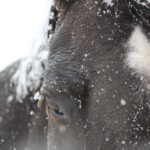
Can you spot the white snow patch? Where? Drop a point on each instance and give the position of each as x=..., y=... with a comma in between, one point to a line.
x=106, y=139
x=108, y=2
x=32, y=113
x=2, y=140
x=37, y=96
x=122, y=102
x=144, y=3
x=123, y=142
x=138, y=55
x=10, y=98
x=29, y=74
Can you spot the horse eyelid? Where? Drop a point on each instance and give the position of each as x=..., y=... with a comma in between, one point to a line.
x=56, y=110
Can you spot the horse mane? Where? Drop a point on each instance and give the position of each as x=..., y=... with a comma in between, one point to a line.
x=63, y=5
x=139, y=10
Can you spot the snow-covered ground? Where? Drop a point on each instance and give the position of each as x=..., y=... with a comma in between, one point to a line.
x=22, y=28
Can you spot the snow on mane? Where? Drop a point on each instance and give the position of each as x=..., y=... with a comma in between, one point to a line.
x=108, y=2
x=144, y=3
x=29, y=74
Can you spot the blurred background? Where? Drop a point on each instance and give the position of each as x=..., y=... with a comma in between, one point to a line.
x=22, y=27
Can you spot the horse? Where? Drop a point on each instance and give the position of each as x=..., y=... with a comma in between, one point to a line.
x=96, y=82
x=94, y=93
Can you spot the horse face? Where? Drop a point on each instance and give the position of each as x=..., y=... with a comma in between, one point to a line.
x=91, y=96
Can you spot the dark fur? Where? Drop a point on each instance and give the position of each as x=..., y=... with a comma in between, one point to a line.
x=107, y=124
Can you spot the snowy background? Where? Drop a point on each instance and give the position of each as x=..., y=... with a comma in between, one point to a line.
x=22, y=28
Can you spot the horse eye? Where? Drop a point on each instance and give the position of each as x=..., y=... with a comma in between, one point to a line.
x=55, y=110
x=58, y=112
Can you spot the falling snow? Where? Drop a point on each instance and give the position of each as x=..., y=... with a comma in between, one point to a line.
x=123, y=102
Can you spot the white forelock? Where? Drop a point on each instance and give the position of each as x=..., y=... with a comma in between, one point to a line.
x=138, y=54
